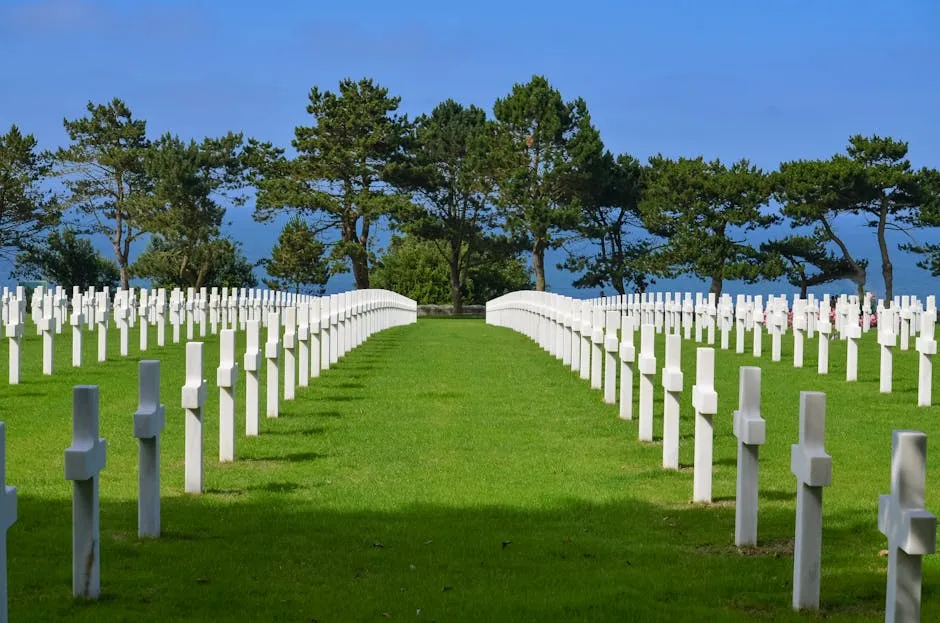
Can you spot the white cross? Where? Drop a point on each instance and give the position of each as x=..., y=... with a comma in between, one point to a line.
x=84, y=461
x=647, y=366
x=813, y=470
x=226, y=379
x=750, y=429
x=910, y=528
x=149, y=420
x=272, y=352
x=672, y=386
x=290, y=344
x=705, y=404
x=926, y=346
x=193, y=397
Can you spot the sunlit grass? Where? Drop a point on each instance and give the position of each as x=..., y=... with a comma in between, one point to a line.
x=451, y=470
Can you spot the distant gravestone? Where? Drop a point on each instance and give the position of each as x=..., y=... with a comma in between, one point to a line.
x=272, y=353
x=84, y=461
x=824, y=327
x=799, y=335
x=149, y=421
x=326, y=330
x=144, y=320
x=584, y=359
x=757, y=335
x=672, y=393
x=227, y=379
x=101, y=322
x=750, y=429
x=290, y=352
x=46, y=325
x=852, y=332
x=610, y=360
x=597, y=350
x=887, y=340
x=813, y=470
x=705, y=403
x=303, y=345
x=910, y=528
x=627, y=357
x=926, y=346
x=14, y=333
x=252, y=369
x=647, y=365
x=193, y=399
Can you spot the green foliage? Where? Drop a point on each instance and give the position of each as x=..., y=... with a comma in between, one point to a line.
x=297, y=258
x=67, y=260
x=451, y=173
x=338, y=174
x=26, y=210
x=806, y=261
x=620, y=252
x=103, y=171
x=183, y=212
x=539, y=128
x=874, y=179
x=416, y=269
x=172, y=264
x=705, y=211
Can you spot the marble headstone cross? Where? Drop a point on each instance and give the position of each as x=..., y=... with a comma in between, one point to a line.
x=84, y=461
x=290, y=351
x=926, y=346
x=227, y=379
x=252, y=369
x=193, y=398
x=647, y=365
x=705, y=403
x=272, y=353
x=813, y=470
x=910, y=528
x=672, y=393
x=627, y=357
x=610, y=360
x=750, y=429
x=149, y=421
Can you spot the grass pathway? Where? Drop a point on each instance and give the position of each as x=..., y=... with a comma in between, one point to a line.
x=443, y=471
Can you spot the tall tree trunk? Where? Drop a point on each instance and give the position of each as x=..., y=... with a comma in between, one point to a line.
x=456, y=296
x=360, y=268
x=538, y=263
x=717, y=283
x=860, y=274
x=357, y=251
x=887, y=269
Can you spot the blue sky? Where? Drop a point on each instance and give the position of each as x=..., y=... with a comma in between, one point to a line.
x=770, y=81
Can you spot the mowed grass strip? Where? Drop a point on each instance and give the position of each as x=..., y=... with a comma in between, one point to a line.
x=452, y=471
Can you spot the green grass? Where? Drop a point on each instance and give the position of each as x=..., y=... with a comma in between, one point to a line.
x=453, y=471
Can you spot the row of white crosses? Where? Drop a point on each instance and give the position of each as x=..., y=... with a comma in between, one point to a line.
x=588, y=322
x=585, y=337
x=911, y=530
x=217, y=308
x=367, y=312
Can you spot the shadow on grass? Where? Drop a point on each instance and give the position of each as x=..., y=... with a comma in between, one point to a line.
x=296, y=457
x=262, y=555
x=304, y=432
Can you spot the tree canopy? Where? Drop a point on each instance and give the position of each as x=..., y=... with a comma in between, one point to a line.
x=27, y=211
x=705, y=211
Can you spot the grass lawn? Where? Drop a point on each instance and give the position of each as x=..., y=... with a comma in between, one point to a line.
x=453, y=471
